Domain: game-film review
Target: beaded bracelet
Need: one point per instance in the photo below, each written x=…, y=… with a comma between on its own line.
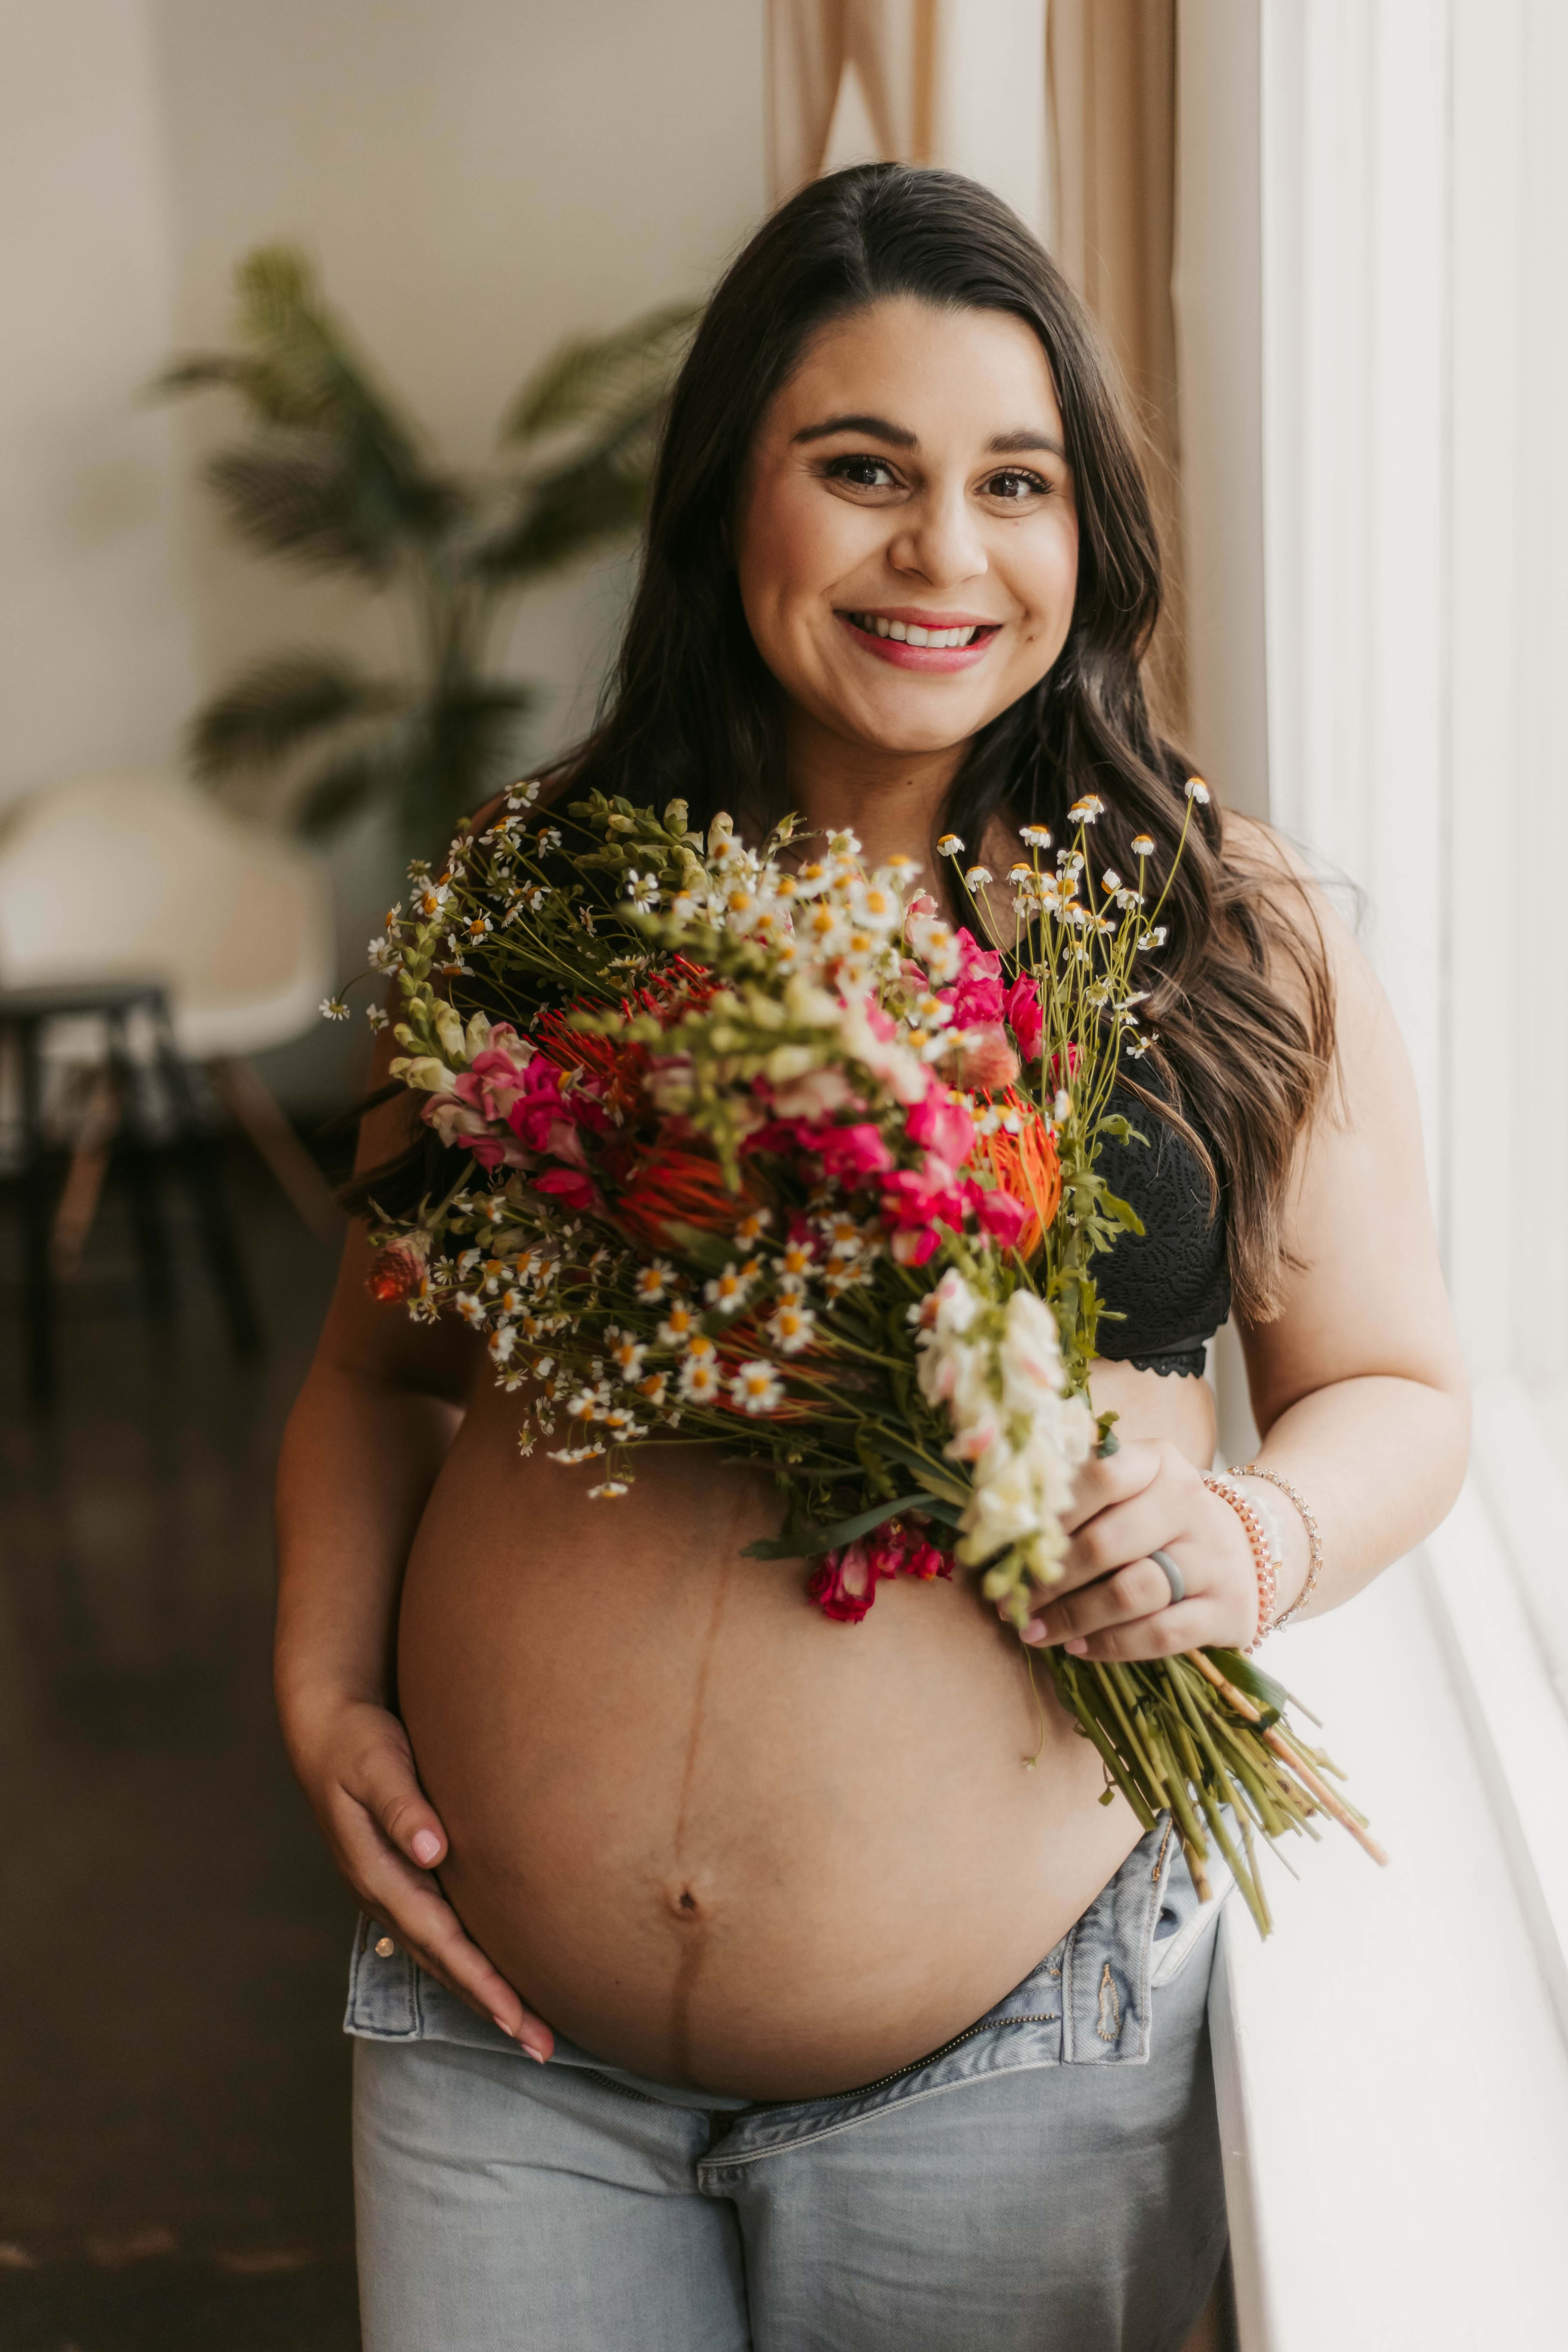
x=1314, y=1539
x=1251, y=1519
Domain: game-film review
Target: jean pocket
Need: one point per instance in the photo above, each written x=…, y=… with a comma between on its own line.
x=384, y=1988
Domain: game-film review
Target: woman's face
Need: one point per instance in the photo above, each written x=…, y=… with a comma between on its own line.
x=909, y=484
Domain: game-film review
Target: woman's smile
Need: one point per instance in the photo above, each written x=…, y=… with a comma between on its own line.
x=931, y=642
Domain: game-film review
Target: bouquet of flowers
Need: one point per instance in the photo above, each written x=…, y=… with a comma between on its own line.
x=759, y=1151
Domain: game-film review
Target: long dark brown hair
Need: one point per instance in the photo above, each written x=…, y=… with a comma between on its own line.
x=1242, y=1004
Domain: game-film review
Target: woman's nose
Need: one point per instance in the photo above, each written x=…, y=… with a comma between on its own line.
x=940, y=541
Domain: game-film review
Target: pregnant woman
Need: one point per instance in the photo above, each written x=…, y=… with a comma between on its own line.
x=725, y=1979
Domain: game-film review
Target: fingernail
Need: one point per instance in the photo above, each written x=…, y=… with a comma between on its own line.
x=1033, y=1631
x=1075, y=1648
x=501, y=2025
x=426, y=1846
x=538, y=2055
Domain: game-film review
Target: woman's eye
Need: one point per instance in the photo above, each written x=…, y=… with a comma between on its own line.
x=862, y=473
x=1015, y=486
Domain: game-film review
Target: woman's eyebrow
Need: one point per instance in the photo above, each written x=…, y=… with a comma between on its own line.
x=876, y=428
x=1026, y=437
x=1015, y=444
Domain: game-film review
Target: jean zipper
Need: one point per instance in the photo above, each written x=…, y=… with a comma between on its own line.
x=915, y=2066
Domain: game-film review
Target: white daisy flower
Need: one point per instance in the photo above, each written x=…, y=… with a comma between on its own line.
x=1198, y=791
x=949, y=846
x=791, y=1327
x=678, y=1326
x=701, y=1382
x=332, y=1008
x=757, y=1388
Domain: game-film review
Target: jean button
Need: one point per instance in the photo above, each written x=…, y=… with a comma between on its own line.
x=384, y=1948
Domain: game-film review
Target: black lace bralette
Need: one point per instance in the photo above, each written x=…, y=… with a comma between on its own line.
x=1170, y=1283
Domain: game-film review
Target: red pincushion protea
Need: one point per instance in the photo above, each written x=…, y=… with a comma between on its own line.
x=676, y=1183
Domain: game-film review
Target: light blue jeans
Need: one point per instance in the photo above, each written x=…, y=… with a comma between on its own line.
x=1048, y=2182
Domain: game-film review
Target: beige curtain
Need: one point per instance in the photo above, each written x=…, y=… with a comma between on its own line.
x=889, y=45
x=1111, y=73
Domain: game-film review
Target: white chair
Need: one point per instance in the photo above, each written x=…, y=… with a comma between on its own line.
x=140, y=877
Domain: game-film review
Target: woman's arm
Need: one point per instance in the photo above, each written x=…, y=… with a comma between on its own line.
x=1358, y=1385
x=362, y=1451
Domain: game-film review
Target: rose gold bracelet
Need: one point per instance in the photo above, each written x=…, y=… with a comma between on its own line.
x=1314, y=1537
x=1218, y=1483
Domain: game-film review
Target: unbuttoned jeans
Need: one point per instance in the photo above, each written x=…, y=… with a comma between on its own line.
x=1048, y=2182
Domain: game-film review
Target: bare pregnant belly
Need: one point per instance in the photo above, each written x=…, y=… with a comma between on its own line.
x=707, y=1833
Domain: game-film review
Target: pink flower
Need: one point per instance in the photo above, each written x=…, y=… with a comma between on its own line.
x=976, y=996
x=925, y=1560
x=542, y=1118
x=945, y=1128
x=1021, y=1008
x=852, y=1153
x=1002, y=1217
x=496, y=1078
x=569, y=1186
x=845, y=1586
x=817, y=1094
x=985, y=1059
x=923, y=1196
x=848, y=1153
x=915, y=1245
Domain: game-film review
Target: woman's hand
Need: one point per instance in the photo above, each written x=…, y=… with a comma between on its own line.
x=357, y=1767
x=1114, y=1601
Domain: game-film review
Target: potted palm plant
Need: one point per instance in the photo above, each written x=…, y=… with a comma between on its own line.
x=334, y=479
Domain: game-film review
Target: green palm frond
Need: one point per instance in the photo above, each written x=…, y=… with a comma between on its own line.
x=466, y=748
x=591, y=377
x=272, y=709
x=350, y=784
x=310, y=394
x=334, y=479
x=316, y=507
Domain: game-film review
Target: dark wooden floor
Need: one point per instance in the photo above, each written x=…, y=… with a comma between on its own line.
x=174, y=2082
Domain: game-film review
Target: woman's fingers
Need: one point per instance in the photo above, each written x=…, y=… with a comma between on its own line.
x=1140, y=1589
x=413, y=1907
x=1185, y=1625
x=383, y=1780
x=1111, y=1478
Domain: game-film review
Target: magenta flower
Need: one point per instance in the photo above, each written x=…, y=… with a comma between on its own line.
x=976, y=996
x=845, y=1586
x=1021, y=1008
x=851, y=1154
x=1002, y=1217
x=946, y=1129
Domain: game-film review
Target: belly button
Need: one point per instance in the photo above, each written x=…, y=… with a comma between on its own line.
x=685, y=1905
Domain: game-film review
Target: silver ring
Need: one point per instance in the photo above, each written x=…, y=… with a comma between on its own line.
x=1172, y=1573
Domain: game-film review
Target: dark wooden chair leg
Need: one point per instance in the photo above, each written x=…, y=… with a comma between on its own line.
x=37, y=1275
x=135, y=1154
x=200, y=1165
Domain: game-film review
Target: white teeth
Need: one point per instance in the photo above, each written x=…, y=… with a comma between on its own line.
x=910, y=633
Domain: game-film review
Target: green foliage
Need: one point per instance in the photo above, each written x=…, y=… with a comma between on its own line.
x=335, y=480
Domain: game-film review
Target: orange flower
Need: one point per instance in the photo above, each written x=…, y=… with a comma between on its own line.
x=1025, y=1165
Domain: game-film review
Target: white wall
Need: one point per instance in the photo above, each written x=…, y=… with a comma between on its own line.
x=475, y=178
x=96, y=665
